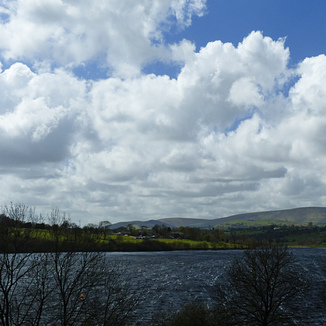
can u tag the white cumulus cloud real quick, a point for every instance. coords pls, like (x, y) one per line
(124, 35)
(223, 137)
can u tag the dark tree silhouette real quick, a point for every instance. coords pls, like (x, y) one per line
(89, 290)
(261, 288)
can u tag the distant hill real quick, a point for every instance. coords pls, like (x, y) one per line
(297, 216)
(304, 215)
(139, 224)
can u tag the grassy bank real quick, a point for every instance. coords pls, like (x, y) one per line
(46, 240)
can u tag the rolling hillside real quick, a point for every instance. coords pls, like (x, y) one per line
(305, 215)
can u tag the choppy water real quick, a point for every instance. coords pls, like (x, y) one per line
(172, 279)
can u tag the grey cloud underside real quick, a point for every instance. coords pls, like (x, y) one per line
(23, 152)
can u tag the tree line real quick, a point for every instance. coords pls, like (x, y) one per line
(22, 230)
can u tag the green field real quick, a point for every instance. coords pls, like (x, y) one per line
(176, 244)
(238, 234)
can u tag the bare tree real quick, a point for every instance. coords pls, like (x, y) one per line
(17, 212)
(90, 291)
(23, 288)
(116, 297)
(74, 276)
(261, 288)
(104, 226)
(64, 288)
(58, 287)
(13, 236)
(61, 237)
(18, 272)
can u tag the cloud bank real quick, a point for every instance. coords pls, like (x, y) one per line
(237, 130)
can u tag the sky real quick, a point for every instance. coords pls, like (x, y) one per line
(136, 110)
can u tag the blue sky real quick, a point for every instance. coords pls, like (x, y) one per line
(302, 24)
(141, 110)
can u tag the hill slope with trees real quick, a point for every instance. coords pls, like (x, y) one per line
(295, 216)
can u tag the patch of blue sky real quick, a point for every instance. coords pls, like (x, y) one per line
(160, 68)
(285, 88)
(91, 71)
(4, 17)
(236, 123)
(302, 23)
(6, 64)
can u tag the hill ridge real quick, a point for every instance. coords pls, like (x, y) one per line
(298, 215)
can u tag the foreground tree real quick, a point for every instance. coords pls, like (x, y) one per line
(74, 275)
(116, 298)
(24, 288)
(261, 288)
(64, 288)
(18, 272)
(89, 290)
(60, 287)
(192, 314)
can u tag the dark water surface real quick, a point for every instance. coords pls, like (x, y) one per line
(172, 279)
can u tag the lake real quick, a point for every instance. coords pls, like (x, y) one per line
(171, 279)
